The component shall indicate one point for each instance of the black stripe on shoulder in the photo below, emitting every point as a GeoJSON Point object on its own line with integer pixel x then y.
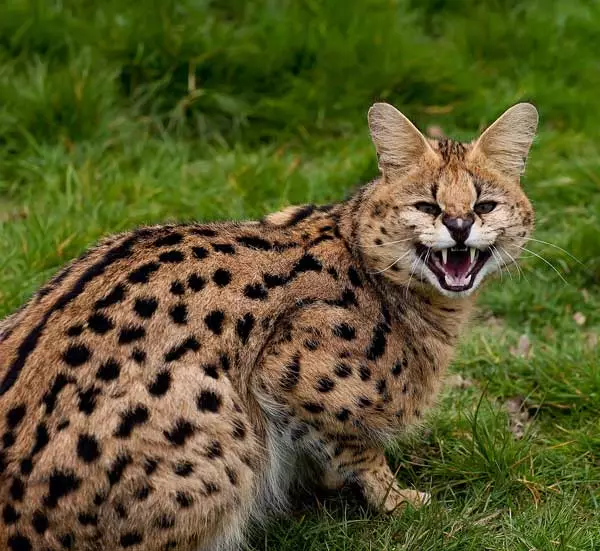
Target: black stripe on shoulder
{"type": "Point", "coordinates": [300, 214]}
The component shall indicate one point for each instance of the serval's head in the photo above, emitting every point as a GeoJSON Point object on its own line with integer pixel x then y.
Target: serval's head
{"type": "Point", "coordinates": [445, 213]}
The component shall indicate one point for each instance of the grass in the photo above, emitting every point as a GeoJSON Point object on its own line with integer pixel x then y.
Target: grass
{"type": "Point", "coordinates": [119, 113]}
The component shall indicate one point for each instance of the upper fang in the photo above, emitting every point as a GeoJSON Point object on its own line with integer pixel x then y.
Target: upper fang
{"type": "Point", "coordinates": [444, 255]}
{"type": "Point", "coordinates": [473, 253]}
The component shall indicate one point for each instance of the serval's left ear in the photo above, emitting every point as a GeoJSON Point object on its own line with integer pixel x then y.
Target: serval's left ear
{"type": "Point", "coordinates": [507, 141]}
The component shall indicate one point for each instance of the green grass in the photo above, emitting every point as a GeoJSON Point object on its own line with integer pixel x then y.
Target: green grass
{"type": "Point", "coordinates": [118, 113]}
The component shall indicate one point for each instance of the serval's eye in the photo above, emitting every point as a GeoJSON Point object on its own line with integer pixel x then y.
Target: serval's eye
{"type": "Point", "coordinates": [485, 207]}
{"type": "Point", "coordinates": [428, 208]}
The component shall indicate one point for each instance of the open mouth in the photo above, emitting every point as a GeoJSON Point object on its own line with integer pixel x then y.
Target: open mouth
{"type": "Point", "coordinates": [456, 267]}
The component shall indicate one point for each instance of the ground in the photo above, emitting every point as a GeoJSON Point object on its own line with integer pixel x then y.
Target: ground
{"type": "Point", "coordinates": [119, 113]}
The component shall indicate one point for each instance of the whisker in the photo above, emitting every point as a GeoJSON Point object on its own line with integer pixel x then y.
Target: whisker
{"type": "Point", "coordinates": [556, 247]}
{"type": "Point", "coordinates": [547, 262]}
{"type": "Point", "coordinates": [494, 254]}
{"type": "Point", "coordinates": [519, 271]}
{"type": "Point", "coordinates": [392, 264]}
{"type": "Point", "coordinates": [412, 271]}
{"type": "Point", "coordinates": [499, 257]}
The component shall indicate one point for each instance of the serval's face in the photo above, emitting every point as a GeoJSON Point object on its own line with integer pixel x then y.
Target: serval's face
{"type": "Point", "coordinates": [447, 214]}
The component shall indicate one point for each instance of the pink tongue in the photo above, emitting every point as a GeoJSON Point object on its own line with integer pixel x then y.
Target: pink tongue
{"type": "Point", "coordinates": [458, 263]}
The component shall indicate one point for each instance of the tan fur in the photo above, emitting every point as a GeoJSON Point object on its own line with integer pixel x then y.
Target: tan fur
{"type": "Point", "coordinates": [159, 391]}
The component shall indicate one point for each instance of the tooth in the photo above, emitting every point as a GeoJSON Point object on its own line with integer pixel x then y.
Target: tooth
{"type": "Point", "coordinates": [472, 253]}
{"type": "Point", "coordinates": [445, 255]}
{"type": "Point", "coordinates": [467, 279]}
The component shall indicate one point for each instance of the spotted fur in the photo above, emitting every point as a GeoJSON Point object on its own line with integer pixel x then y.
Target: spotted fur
{"type": "Point", "coordinates": [165, 387]}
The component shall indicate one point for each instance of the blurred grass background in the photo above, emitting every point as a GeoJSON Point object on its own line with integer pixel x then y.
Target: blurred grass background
{"type": "Point", "coordinates": [122, 112]}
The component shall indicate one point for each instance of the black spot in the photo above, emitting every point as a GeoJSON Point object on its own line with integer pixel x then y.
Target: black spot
{"type": "Point", "coordinates": [291, 374]}
{"type": "Point", "coordinates": [225, 363]}
{"type": "Point", "coordinates": [100, 324]}
{"type": "Point", "coordinates": [138, 356]}
{"type": "Point", "coordinates": [121, 511]}
{"type": "Point", "coordinates": [88, 449]}
{"type": "Point", "coordinates": [15, 415]}
{"type": "Point", "coordinates": [377, 345]}
{"type": "Point", "coordinates": [131, 333]}
{"type": "Point", "coordinates": [171, 257]}
{"type": "Point", "coordinates": [274, 280]}
{"type": "Point", "coordinates": [365, 372]}
{"type": "Point", "coordinates": [39, 522]}
{"type": "Point", "coordinates": [61, 484]}
{"type": "Point", "coordinates": [129, 539]}
{"type": "Point", "coordinates": [224, 248]}
{"type": "Point", "coordinates": [87, 399]}
{"type": "Point", "coordinates": [177, 352]}
{"type": "Point", "coordinates": [26, 466]}
{"type": "Point", "coordinates": [178, 314]}
{"type": "Point", "coordinates": [161, 383]}
{"type": "Point", "coordinates": [199, 252]}
{"type": "Point", "coordinates": [164, 522]}
{"type": "Point", "coordinates": [184, 500]}
{"type": "Point", "coordinates": [75, 330]}
{"type": "Point", "coordinates": [380, 386]}
{"type": "Point", "coordinates": [299, 432]}
{"type": "Point", "coordinates": [333, 273]}
{"type": "Point", "coordinates": [114, 297]}
{"type": "Point", "coordinates": [308, 263]}
{"type": "Point", "coordinates": [211, 371]}
{"type": "Point", "coordinates": [169, 240]}
{"type": "Point", "coordinates": [254, 242]}
{"type": "Point", "coordinates": [76, 355]}
{"type": "Point", "coordinates": [207, 232]}
{"type": "Point", "coordinates": [150, 465]}
{"type": "Point", "coordinates": [397, 368]}
{"type": "Point", "coordinates": [255, 291]}
{"type": "Point", "coordinates": [342, 370]}
{"type": "Point", "coordinates": [109, 370]}
{"type": "Point", "coordinates": [347, 299]}
{"type": "Point", "coordinates": [67, 541]}
{"type": "Point", "coordinates": [180, 432]}
{"type": "Point", "coordinates": [145, 307]}
{"type": "Point", "coordinates": [177, 288]}
{"type": "Point", "coordinates": [214, 321]}
{"type": "Point", "coordinates": [143, 493]}
{"type": "Point", "coordinates": [231, 475]}
{"type": "Point", "coordinates": [221, 277]}
{"type": "Point", "coordinates": [10, 514]}
{"type": "Point", "coordinates": [214, 450]}
{"type": "Point", "coordinates": [211, 488]}
{"type": "Point", "coordinates": [87, 519]}
{"type": "Point", "coordinates": [311, 344]}
{"type": "Point", "coordinates": [344, 331]}
{"type": "Point", "coordinates": [325, 384]}
{"type": "Point", "coordinates": [208, 401]}
{"type": "Point", "coordinates": [18, 542]}
{"type": "Point", "coordinates": [195, 282]}
{"type": "Point", "coordinates": [364, 402]}
{"type": "Point", "coordinates": [142, 273]}
{"type": "Point", "coordinates": [183, 468]}
{"type": "Point", "coordinates": [354, 277]}
{"type": "Point", "coordinates": [343, 415]}
{"type": "Point", "coordinates": [239, 429]}
{"type": "Point", "coordinates": [378, 241]}
{"type": "Point", "coordinates": [63, 425]}
{"type": "Point", "coordinates": [41, 438]}
{"type": "Point", "coordinates": [8, 439]}
{"type": "Point", "coordinates": [312, 407]}
{"type": "Point", "coordinates": [99, 498]}
{"type": "Point", "coordinates": [244, 326]}
{"type": "Point", "coordinates": [118, 468]}
{"type": "Point", "coordinates": [130, 419]}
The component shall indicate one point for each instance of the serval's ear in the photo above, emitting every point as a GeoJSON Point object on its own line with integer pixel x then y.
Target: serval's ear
{"type": "Point", "coordinates": [507, 141]}
{"type": "Point", "coordinates": [398, 142]}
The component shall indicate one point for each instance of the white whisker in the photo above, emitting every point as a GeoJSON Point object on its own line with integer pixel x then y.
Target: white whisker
{"type": "Point", "coordinates": [547, 262]}
{"type": "Point", "coordinates": [556, 247]}
{"type": "Point", "coordinates": [519, 271]}
{"type": "Point", "coordinates": [498, 256]}
{"type": "Point", "coordinates": [392, 264]}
